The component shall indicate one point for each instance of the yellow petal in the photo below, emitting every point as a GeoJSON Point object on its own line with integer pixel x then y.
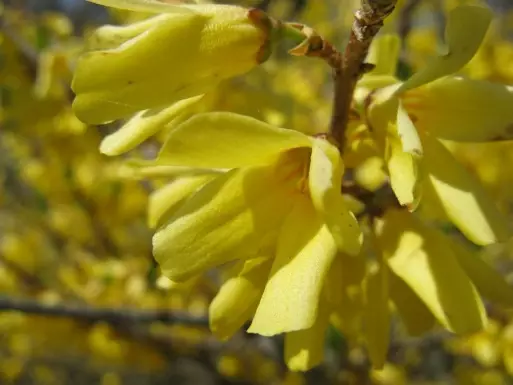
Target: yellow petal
{"type": "Point", "coordinates": [463, 197]}
{"type": "Point", "coordinates": [115, 83]}
{"type": "Point", "coordinates": [345, 293]}
{"type": "Point", "coordinates": [407, 132]}
{"type": "Point", "coordinates": [225, 139]}
{"type": "Point", "coordinates": [404, 159]}
{"type": "Point", "coordinates": [151, 169]}
{"type": "Point", "coordinates": [466, 28]}
{"type": "Point", "coordinates": [490, 283]}
{"type": "Point", "coordinates": [422, 257]}
{"type": "Point", "coordinates": [143, 125]}
{"type": "Point", "coordinates": [384, 54]}
{"type": "Point", "coordinates": [377, 314]}
{"type": "Point", "coordinates": [112, 36]}
{"type": "Point", "coordinates": [234, 216]}
{"type": "Point", "coordinates": [325, 178]}
{"type": "Point", "coordinates": [166, 200]}
{"type": "Point", "coordinates": [465, 110]}
{"type": "Point", "coordinates": [414, 313]}
{"type": "Point", "coordinates": [404, 170]}
{"type": "Point", "coordinates": [238, 298]}
{"type": "Point", "coordinates": [304, 349]}
{"type": "Point", "coordinates": [152, 6]}
{"type": "Point", "coordinates": [304, 254]}
{"type": "Point", "coordinates": [177, 56]}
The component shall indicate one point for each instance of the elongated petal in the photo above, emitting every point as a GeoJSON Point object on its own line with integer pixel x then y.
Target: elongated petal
{"type": "Point", "coordinates": [422, 257]}
{"type": "Point", "coordinates": [462, 45]}
{"type": "Point", "coordinates": [305, 252]}
{"type": "Point", "coordinates": [414, 313]}
{"type": "Point", "coordinates": [407, 132]}
{"type": "Point", "coordinates": [464, 199]}
{"type": "Point", "coordinates": [325, 178]}
{"type": "Point", "coordinates": [234, 216]}
{"type": "Point", "coordinates": [116, 83]}
{"type": "Point", "coordinates": [112, 36]}
{"type": "Point", "coordinates": [152, 6]}
{"type": "Point", "coordinates": [166, 200]}
{"type": "Point", "coordinates": [224, 139]}
{"type": "Point", "coordinates": [404, 171]}
{"type": "Point", "coordinates": [304, 349]}
{"type": "Point", "coordinates": [384, 54]}
{"type": "Point", "coordinates": [345, 293]}
{"type": "Point", "coordinates": [490, 283]}
{"type": "Point", "coordinates": [151, 169]}
{"type": "Point", "coordinates": [238, 298]}
{"type": "Point", "coordinates": [143, 125]}
{"type": "Point", "coordinates": [465, 110]}
{"type": "Point", "coordinates": [377, 313]}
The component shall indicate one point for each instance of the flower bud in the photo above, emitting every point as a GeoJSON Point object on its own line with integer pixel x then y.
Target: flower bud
{"type": "Point", "coordinates": [168, 57]}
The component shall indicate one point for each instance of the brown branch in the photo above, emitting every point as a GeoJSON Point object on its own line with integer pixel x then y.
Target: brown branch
{"type": "Point", "coordinates": [368, 20]}
{"type": "Point", "coordinates": [108, 315]}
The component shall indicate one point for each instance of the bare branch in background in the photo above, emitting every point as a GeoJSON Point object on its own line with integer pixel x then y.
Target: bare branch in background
{"type": "Point", "coordinates": [108, 315]}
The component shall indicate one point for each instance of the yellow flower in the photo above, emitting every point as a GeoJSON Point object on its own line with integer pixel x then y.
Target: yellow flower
{"type": "Point", "coordinates": [410, 118]}
{"type": "Point", "coordinates": [179, 53]}
{"type": "Point", "coordinates": [277, 208]}
{"type": "Point", "coordinates": [432, 277]}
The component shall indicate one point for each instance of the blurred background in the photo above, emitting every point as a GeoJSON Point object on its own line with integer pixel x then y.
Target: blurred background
{"type": "Point", "coordinates": [81, 300]}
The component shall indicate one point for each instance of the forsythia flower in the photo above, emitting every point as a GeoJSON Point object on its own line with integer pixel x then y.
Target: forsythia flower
{"type": "Point", "coordinates": [278, 208]}
{"type": "Point", "coordinates": [430, 277]}
{"type": "Point", "coordinates": [409, 119]}
{"type": "Point", "coordinates": [182, 52]}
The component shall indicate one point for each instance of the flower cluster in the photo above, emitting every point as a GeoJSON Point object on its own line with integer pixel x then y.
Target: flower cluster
{"type": "Point", "coordinates": [271, 203]}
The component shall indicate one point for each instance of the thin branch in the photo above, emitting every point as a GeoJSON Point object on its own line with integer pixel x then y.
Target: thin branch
{"type": "Point", "coordinates": [368, 21]}
{"type": "Point", "coordinates": [108, 315]}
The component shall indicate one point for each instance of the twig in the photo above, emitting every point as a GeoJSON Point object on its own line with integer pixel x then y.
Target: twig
{"type": "Point", "coordinates": [108, 315]}
{"type": "Point", "coordinates": [368, 21]}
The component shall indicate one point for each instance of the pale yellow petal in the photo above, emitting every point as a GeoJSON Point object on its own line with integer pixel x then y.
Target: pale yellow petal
{"type": "Point", "coordinates": [377, 313]}
{"type": "Point", "coordinates": [325, 176]}
{"type": "Point", "coordinates": [143, 125]}
{"type": "Point", "coordinates": [463, 197]}
{"type": "Point", "coordinates": [384, 54]}
{"type": "Point", "coordinates": [238, 298]}
{"type": "Point", "coordinates": [112, 36]}
{"type": "Point", "coordinates": [150, 169]}
{"type": "Point", "coordinates": [166, 200]}
{"type": "Point", "coordinates": [116, 83]}
{"type": "Point", "coordinates": [345, 293]}
{"type": "Point", "coordinates": [422, 257]}
{"type": "Point", "coordinates": [304, 255]}
{"type": "Point", "coordinates": [407, 132]}
{"type": "Point", "coordinates": [490, 283]}
{"type": "Point", "coordinates": [304, 349]}
{"type": "Point", "coordinates": [225, 139]}
{"type": "Point", "coordinates": [465, 30]}
{"type": "Point", "coordinates": [404, 171]}
{"type": "Point", "coordinates": [152, 6]}
{"type": "Point", "coordinates": [460, 109]}
{"type": "Point", "coordinates": [413, 312]}
{"type": "Point", "coordinates": [234, 216]}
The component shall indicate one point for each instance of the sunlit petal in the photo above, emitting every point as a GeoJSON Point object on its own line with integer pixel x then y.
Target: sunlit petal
{"type": "Point", "coordinates": [238, 298]}
{"type": "Point", "coordinates": [224, 139]}
{"type": "Point", "coordinates": [305, 252]}
{"type": "Point", "coordinates": [234, 216]}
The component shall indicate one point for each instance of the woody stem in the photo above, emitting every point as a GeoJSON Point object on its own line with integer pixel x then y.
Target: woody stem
{"type": "Point", "coordinates": [368, 20]}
